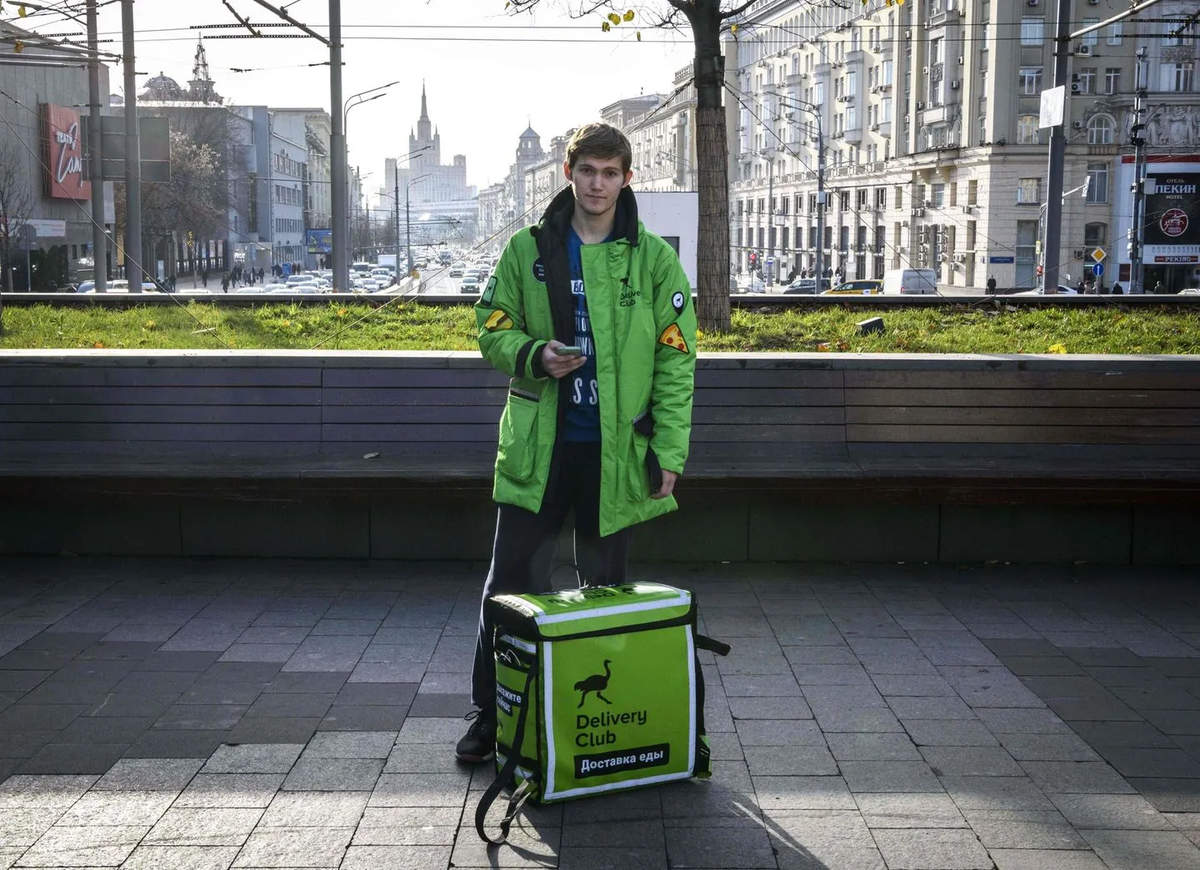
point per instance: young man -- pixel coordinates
(591, 316)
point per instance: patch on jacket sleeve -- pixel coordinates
(672, 337)
(679, 301)
(490, 291)
(498, 319)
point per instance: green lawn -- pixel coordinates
(412, 326)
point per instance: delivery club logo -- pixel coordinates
(595, 684)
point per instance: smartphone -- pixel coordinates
(569, 350)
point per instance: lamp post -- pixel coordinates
(341, 174)
(815, 111)
(407, 219)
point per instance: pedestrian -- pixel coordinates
(991, 285)
(572, 424)
(1116, 290)
(1089, 287)
(225, 282)
(1159, 288)
(204, 277)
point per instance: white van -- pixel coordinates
(910, 281)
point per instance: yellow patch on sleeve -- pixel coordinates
(498, 320)
(672, 337)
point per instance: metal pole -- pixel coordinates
(133, 158)
(99, 239)
(1137, 231)
(820, 201)
(1052, 249)
(407, 226)
(770, 221)
(337, 145)
(396, 210)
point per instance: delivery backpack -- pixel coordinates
(597, 690)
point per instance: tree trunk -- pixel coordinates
(712, 158)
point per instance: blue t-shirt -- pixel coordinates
(583, 410)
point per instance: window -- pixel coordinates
(1033, 31)
(1171, 25)
(1027, 130)
(1114, 33)
(1031, 80)
(1095, 235)
(1178, 77)
(1029, 191)
(1100, 130)
(973, 192)
(1112, 80)
(937, 195)
(1097, 192)
(1087, 80)
(1092, 38)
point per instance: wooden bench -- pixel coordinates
(813, 456)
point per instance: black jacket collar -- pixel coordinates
(557, 218)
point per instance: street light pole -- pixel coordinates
(396, 210)
(337, 145)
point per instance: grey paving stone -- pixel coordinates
(1132, 761)
(728, 847)
(307, 682)
(247, 790)
(1125, 812)
(1048, 747)
(333, 774)
(1169, 795)
(259, 652)
(925, 707)
(996, 793)
(157, 682)
(22, 827)
(191, 857)
(1175, 722)
(381, 694)
(770, 708)
(932, 849)
(839, 654)
(858, 720)
(831, 675)
(1092, 710)
(909, 810)
(803, 793)
(24, 744)
(176, 744)
(779, 732)
(909, 684)
(342, 717)
(1040, 859)
(149, 774)
(270, 729)
(398, 858)
(293, 706)
(420, 790)
(970, 761)
(949, 732)
(885, 746)
(604, 858)
(201, 717)
(43, 791)
(1023, 829)
(40, 717)
(81, 846)
(822, 838)
(212, 826)
(142, 808)
(442, 732)
(362, 744)
(911, 665)
(1136, 850)
(315, 809)
(295, 847)
(1042, 666)
(277, 634)
(625, 833)
(825, 698)
(760, 686)
(1076, 777)
(21, 681)
(68, 758)
(889, 776)
(221, 692)
(1022, 721)
(796, 761)
(254, 758)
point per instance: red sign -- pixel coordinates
(64, 153)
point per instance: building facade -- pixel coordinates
(316, 191)
(911, 133)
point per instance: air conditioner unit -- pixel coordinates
(904, 223)
(1034, 2)
(1077, 253)
(929, 203)
(1078, 125)
(954, 85)
(908, 34)
(925, 70)
(918, 212)
(920, 105)
(1082, 50)
(877, 47)
(874, 128)
(960, 60)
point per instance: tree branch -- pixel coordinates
(737, 10)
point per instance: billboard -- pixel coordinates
(1173, 208)
(319, 241)
(63, 148)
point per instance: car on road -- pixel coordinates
(469, 284)
(457, 269)
(857, 287)
(807, 286)
(1063, 290)
(120, 285)
(910, 282)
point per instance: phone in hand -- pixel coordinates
(569, 350)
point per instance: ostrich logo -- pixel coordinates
(595, 683)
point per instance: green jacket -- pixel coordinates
(644, 326)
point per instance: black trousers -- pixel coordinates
(524, 547)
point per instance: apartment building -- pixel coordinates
(908, 135)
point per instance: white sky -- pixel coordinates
(487, 73)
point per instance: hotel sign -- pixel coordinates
(63, 148)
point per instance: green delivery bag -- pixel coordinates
(597, 690)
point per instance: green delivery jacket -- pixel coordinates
(644, 326)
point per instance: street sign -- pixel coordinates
(1099, 254)
(1053, 107)
(1098, 269)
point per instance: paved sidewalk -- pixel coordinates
(226, 713)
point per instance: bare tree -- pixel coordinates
(706, 19)
(16, 206)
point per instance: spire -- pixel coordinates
(424, 107)
(200, 67)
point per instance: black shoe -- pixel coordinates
(479, 744)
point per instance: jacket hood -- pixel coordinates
(557, 217)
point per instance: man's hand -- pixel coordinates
(668, 484)
(557, 366)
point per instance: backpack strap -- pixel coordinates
(506, 776)
(712, 645)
